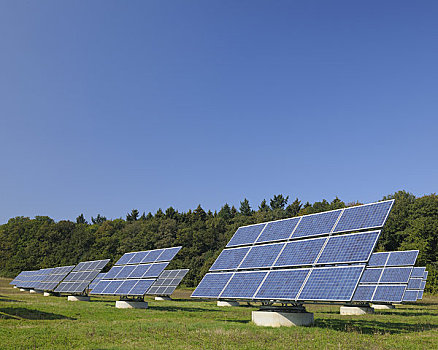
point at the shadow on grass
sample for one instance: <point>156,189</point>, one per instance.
<point>417,312</point>
<point>181,308</point>
<point>7,300</point>
<point>29,314</point>
<point>372,327</point>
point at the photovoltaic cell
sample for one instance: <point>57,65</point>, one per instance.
<point>168,254</point>
<point>418,272</point>
<point>262,256</point>
<point>125,258</point>
<point>212,285</point>
<point>410,295</point>
<point>229,259</point>
<point>246,235</point>
<point>414,283</point>
<point>371,275</point>
<point>396,275</point>
<point>364,216</point>
<point>402,258</point>
<point>378,259</point>
<point>332,284</point>
<point>316,224</point>
<point>282,284</point>
<point>141,287</point>
<point>301,252</point>
<point>389,293</point>
<point>420,294</point>
<point>167,282</point>
<point>138,257</point>
<point>349,248</point>
<point>243,285</point>
<point>364,292</point>
<point>278,230</point>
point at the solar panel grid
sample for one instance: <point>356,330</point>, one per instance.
<point>167,282</point>
<point>282,284</point>
<point>243,285</point>
<point>246,235</point>
<point>229,259</point>
<point>301,252</point>
<point>278,230</point>
<point>261,256</point>
<point>316,224</point>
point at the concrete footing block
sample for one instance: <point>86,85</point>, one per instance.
<point>382,306</point>
<point>278,319</point>
<point>24,290</point>
<point>15,287</point>
<point>47,294</point>
<point>161,298</point>
<point>356,310</point>
<point>33,291</point>
<point>227,303</point>
<point>78,298</point>
<point>125,304</point>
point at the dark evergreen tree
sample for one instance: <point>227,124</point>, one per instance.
<point>245,208</point>
<point>81,219</point>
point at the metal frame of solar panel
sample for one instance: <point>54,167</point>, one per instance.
<point>78,280</point>
<point>317,257</point>
<point>386,278</point>
<point>134,273</point>
<point>167,282</point>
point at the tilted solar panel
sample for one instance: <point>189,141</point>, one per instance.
<point>300,253</point>
<point>212,285</point>
<point>96,279</point>
<point>278,230</point>
<point>402,258</point>
<point>418,272</point>
<point>396,275</point>
<point>134,273</point>
<point>262,256</point>
<point>53,277</point>
<point>378,259</point>
<point>167,282</point>
<point>316,224</point>
<point>243,285</point>
<point>364,292</point>
<point>389,293</point>
<point>229,259</point>
<point>246,235</point>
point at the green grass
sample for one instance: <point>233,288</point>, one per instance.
<point>30,321</point>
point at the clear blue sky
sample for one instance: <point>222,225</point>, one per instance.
<point>106,106</point>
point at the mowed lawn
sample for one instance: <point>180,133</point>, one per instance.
<point>32,321</point>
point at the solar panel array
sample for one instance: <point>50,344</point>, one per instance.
<point>313,257</point>
<point>81,276</point>
<point>25,279</point>
<point>52,277</point>
<point>134,273</point>
<point>167,282</point>
<point>416,284</point>
<point>387,276</point>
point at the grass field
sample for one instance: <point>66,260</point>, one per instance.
<point>30,321</point>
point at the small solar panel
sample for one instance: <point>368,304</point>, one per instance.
<point>402,258</point>
<point>332,284</point>
<point>396,275</point>
<point>168,254</point>
<point>364,292</point>
<point>167,282</point>
<point>410,295</point>
<point>371,275</point>
<point>243,285</point>
<point>364,216</point>
<point>418,272</point>
<point>414,283</point>
<point>278,230</point>
<point>420,294</point>
<point>349,248</point>
<point>96,279</point>
<point>378,259</point>
<point>301,252</point>
<point>282,284</point>
<point>389,293</point>
<point>229,259</point>
<point>316,224</point>
<point>246,235</point>
<point>212,285</point>
<point>425,275</point>
<point>53,277</point>
<point>262,256</point>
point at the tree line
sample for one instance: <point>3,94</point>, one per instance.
<point>29,244</point>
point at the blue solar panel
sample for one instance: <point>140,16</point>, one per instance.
<point>100,286</point>
<point>425,275</point>
<point>403,258</point>
<point>389,293</point>
<point>139,271</point>
<point>246,235</point>
<point>229,259</point>
<point>371,275</point>
<point>378,259</point>
<point>282,284</point>
<point>418,272</point>
<point>423,285</point>
<point>410,295</point>
<point>168,254</point>
<point>414,283</point>
<point>112,287</point>
<point>420,294</point>
<point>212,285</point>
<point>152,256</point>
<point>278,230</point>
<point>349,248</point>
<point>243,285</point>
<point>125,272</point>
<point>124,259</point>
<point>125,287</point>
<point>396,275</point>
<point>332,284</point>
<point>141,287</point>
<point>155,270</point>
<point>113,272</point>
<point>316,224</point>
<point>302,252</point>
<point>364,216</point>
<point>364,292</point>
<point>138,257</point>
<point>262,256</point>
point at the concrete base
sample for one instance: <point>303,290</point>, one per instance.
<point>78,298</point>
<point>24,290</point>
<point>227,303</point>
<point>33,291</point>
<point>15,287</point>
<point>163,298</point>
<point>47,294</point>
<point>382,306</point>
<point>278,319</point>
<point>356,310</point>
<point>124,304</point>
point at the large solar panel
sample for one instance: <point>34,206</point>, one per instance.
<point>31,279</point>
<point>167,282</point>
<point>78,280</point>
<point>53,277</point>
<point>135,273</point>
<point>317,257</point>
